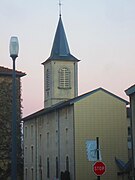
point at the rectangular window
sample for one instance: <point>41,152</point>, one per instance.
<point>56,137</point>
<point>26,174</point>
<point>67,163</point>
<point>32,174</point>
<point>48,168</point>
<point>25,132</point>
<point>40,167</point>
<point>40,140</point>
<point>66,135</point>
<point>31,131</point>
<point>66,113</point>
<point>48,139</point>
<point>25,154</point>
<point>41,176</point>
<point>47,79</point>
<point>32,154</point>
<point>129,131</point>
<point>57,168</point>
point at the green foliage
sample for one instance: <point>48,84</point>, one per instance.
<point>5,127</point>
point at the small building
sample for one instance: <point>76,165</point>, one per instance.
<point>6,120</point>
<point>131,93</point>
<point>55,138</point>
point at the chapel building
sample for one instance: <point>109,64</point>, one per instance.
<point>57,137</point>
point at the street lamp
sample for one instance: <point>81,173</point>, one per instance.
<point>14,48</point>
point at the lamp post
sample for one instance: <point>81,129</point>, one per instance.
<point>14,48</point>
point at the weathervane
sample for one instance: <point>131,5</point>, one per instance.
<point>60,7</point>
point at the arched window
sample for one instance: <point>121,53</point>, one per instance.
<point>57,168</point>
<point>64,78</point>
<point>32,154</point>
<point>40,140</point>
<point>67,163</point>
<point>56,137</point>
<point>66,135</point>
<point>32,174</point>
<point>31,130</point>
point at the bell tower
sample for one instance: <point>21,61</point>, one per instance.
<point>60,70</point>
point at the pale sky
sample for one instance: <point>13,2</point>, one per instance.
<point>101,33</point>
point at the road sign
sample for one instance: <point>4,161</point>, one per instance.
<point>99,168</point>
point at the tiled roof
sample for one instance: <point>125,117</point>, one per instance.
<point>8,72</point>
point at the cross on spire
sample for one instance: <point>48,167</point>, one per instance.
<point>60,7</point>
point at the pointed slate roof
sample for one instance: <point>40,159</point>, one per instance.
<point>60,49</point>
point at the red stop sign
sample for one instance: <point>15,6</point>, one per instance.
<point>99,168</point>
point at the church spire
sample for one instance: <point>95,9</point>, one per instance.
<point>60,70</point>
<point>60,49</point>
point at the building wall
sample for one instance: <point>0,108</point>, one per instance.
<point>104,116</point>
<point>63,132</point>
<point>132,101</point>
<point>51,137</point>
<point>129,139</point>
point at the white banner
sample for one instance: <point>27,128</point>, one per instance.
<point>91,148</point>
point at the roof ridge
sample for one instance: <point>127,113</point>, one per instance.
<point>8,71</point>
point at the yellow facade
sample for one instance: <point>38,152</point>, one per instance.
<point>63,132</point>
<point>100,115</point>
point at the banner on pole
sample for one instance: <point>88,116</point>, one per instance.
<point>91,149</point>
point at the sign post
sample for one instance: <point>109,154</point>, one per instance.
<point>97,140</point>
<point>99,168</point>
